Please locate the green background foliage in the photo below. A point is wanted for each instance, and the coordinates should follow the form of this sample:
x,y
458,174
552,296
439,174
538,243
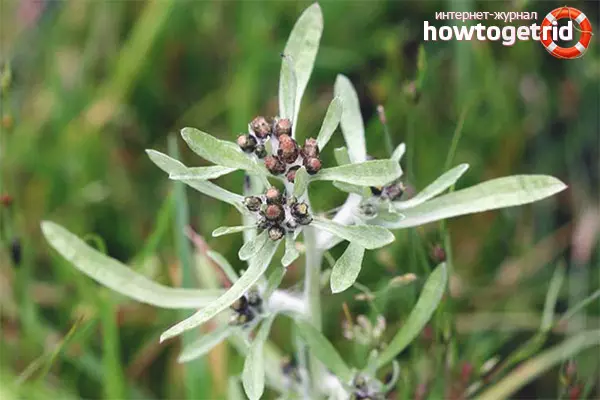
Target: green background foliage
x,y
95,83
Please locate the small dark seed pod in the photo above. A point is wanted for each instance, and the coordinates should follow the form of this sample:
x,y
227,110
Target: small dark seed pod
x,y
376,190
273,196
282,126
276,233
247,143
274,212
274,165
245,317
240,304
260,127
394,191
252,203
313,165
288,149
300,210
310,148
260,151
16,252
291,174
254,298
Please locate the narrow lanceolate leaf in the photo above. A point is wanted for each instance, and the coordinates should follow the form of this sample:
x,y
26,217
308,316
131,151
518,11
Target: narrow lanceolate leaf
x,y
349,188
551,298
496,193
205,343
258,266
234,391
419,316
302,46
253,375
202,173
531,369
442,183
171,166
287,88
368,173
118,277
352,124
274,281
291,253
323,350
341,156
331,122
347,267
217,151
228,230
253,246
398,152
224,265
300,182
368,236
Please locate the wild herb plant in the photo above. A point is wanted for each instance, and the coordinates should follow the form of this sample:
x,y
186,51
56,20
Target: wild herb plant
x,y
275,208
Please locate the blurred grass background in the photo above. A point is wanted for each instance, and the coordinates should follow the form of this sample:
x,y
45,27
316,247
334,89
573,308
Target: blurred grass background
x,y
94,83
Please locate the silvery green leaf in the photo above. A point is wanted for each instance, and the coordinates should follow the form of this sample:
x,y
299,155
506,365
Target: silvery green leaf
x,y
347,267
300,182
217,151
224,265
368,236
253,246
228,230
205,343
302,46
493,194
430,297
323,350
352,124
234,391
349,188
253,375
398,152
274,281
287,88
368,173
172,166
120,278
202,173
257,267
291,253
442,183
341,156
330,122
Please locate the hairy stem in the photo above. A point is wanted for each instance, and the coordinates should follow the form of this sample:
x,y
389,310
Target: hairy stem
x,y
312,296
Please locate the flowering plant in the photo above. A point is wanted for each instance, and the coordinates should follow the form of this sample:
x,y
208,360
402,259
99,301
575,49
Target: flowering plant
x,y
275,207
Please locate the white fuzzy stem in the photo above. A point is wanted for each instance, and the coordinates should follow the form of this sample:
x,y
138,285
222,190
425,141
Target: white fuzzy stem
x,y
282,301
345,216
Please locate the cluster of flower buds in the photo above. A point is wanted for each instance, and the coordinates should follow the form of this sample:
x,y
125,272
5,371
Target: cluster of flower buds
x,y
289,369
278,214
391,192
364,391
289,156
246,308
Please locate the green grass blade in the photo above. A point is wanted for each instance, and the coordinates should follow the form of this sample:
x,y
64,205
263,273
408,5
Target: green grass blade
x,y
551,297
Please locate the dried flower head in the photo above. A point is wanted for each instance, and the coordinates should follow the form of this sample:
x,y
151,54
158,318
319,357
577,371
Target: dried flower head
x,y
283,126
313,165
274,165
247,143
260,127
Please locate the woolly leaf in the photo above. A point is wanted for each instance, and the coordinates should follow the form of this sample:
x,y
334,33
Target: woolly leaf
x,y
347,267
367,236
368,173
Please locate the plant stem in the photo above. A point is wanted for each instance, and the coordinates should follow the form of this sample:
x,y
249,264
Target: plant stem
x,y
312,296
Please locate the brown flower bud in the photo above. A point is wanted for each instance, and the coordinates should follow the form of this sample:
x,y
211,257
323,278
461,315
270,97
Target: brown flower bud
x,y
288,149
276,233
274,165
438,254
282,126
291,174
260,151
310,149
394,191
260,127
273,196
252,203
274,212
301,213
313,165
240,304
247,143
